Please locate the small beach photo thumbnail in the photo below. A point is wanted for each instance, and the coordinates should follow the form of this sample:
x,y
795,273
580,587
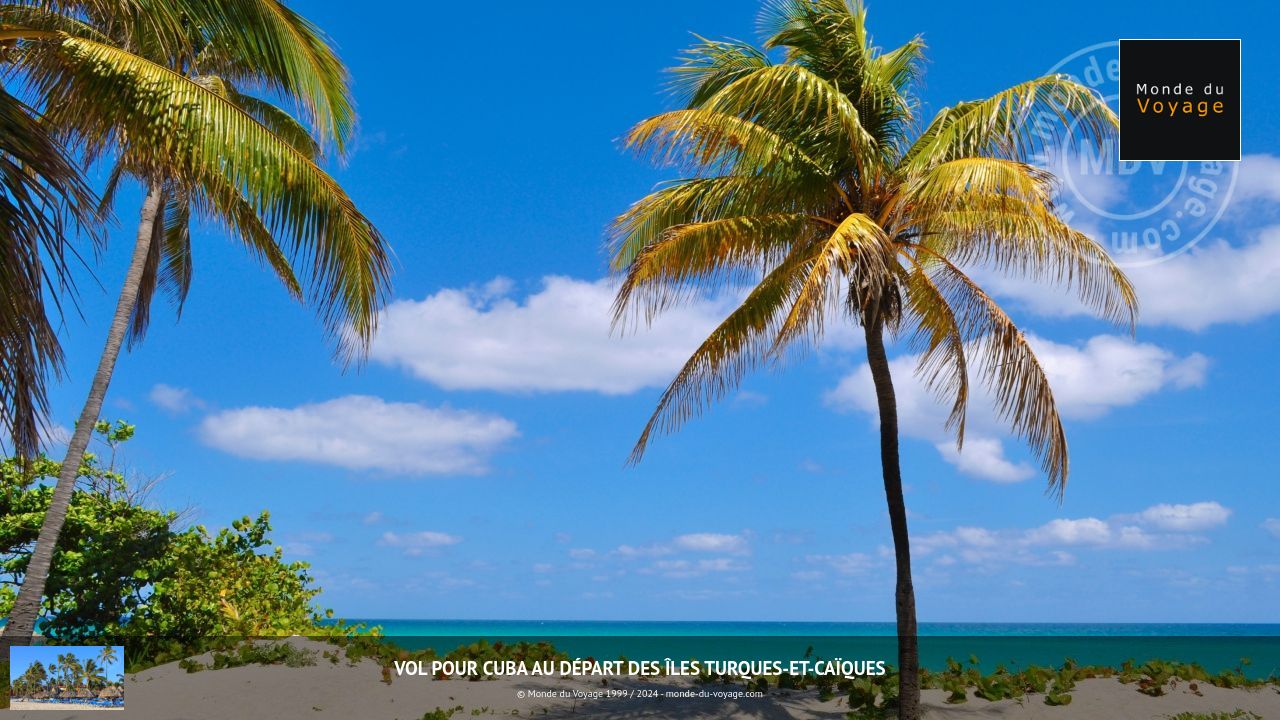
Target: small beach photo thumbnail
x,y
54,677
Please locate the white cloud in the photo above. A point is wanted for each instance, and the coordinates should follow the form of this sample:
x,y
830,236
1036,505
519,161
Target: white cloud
x,y
416,543
1258,179
174,400
712,542
984,457
363,433
1085,531
1159,527
695,568
849,564
1197,516
703,542
372,518
1272,525
556,339
1213,283
1088,380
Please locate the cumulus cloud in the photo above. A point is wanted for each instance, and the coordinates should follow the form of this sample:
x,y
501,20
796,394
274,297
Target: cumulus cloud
x,y
848,564
557,339
363,433
1088,380
703,542
712,542
695,568
1237,282
678,557
1258,179
1193,517
174,400
1272,525
1159,527
417,543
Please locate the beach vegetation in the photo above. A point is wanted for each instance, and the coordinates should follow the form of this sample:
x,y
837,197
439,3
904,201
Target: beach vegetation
x,y
254,653
134,575
810,186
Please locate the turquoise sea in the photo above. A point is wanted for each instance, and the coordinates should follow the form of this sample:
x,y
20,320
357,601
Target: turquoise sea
x,y
1254,648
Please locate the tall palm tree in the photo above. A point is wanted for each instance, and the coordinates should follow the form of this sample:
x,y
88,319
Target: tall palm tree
x,y
107,655
153,86
92,676
811,180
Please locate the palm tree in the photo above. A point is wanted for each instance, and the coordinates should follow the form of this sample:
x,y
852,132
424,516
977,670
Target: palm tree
x,y
34,678
107,655
154,86
92,676
43,190
811,181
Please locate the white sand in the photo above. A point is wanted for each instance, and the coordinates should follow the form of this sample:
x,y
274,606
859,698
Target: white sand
x,y
45,707
328,691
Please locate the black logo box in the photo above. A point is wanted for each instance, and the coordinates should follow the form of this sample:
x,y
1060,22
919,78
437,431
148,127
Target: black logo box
x,y
1169,74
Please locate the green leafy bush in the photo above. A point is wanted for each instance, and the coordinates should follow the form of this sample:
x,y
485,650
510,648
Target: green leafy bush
x,y
127,574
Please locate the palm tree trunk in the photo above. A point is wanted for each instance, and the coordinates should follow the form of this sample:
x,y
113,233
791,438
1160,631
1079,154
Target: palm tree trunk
x,y
904,596
26,606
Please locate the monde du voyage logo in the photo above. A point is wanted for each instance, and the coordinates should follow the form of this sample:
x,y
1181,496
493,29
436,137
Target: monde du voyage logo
x,y
1180,100
1172,179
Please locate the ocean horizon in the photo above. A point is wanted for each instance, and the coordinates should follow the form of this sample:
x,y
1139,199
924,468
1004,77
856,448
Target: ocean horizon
x,y
1251,648
782,628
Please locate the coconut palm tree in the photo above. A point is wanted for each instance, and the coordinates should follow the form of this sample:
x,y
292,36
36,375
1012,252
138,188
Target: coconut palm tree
x,y
107,655
92,676
34,678
811,181
154,86
42,201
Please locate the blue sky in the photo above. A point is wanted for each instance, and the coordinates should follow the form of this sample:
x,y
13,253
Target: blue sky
x,y
475,467
46,655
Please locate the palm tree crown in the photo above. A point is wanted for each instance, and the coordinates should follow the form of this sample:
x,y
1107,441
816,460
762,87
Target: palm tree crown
x,y
810,179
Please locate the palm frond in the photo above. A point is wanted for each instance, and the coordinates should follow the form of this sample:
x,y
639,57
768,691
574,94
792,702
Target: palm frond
x,y
1000,214
1020,123
1009,369
733,349
699,200
263,43
943,366
806,108
171,126
43,201
701,140
857,252
711,65
708,257
284,125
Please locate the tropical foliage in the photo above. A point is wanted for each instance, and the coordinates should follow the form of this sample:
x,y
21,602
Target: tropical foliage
x,y
810,179
129,574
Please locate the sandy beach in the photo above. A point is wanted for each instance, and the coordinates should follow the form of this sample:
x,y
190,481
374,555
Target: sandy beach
x,y
42,707
344,690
